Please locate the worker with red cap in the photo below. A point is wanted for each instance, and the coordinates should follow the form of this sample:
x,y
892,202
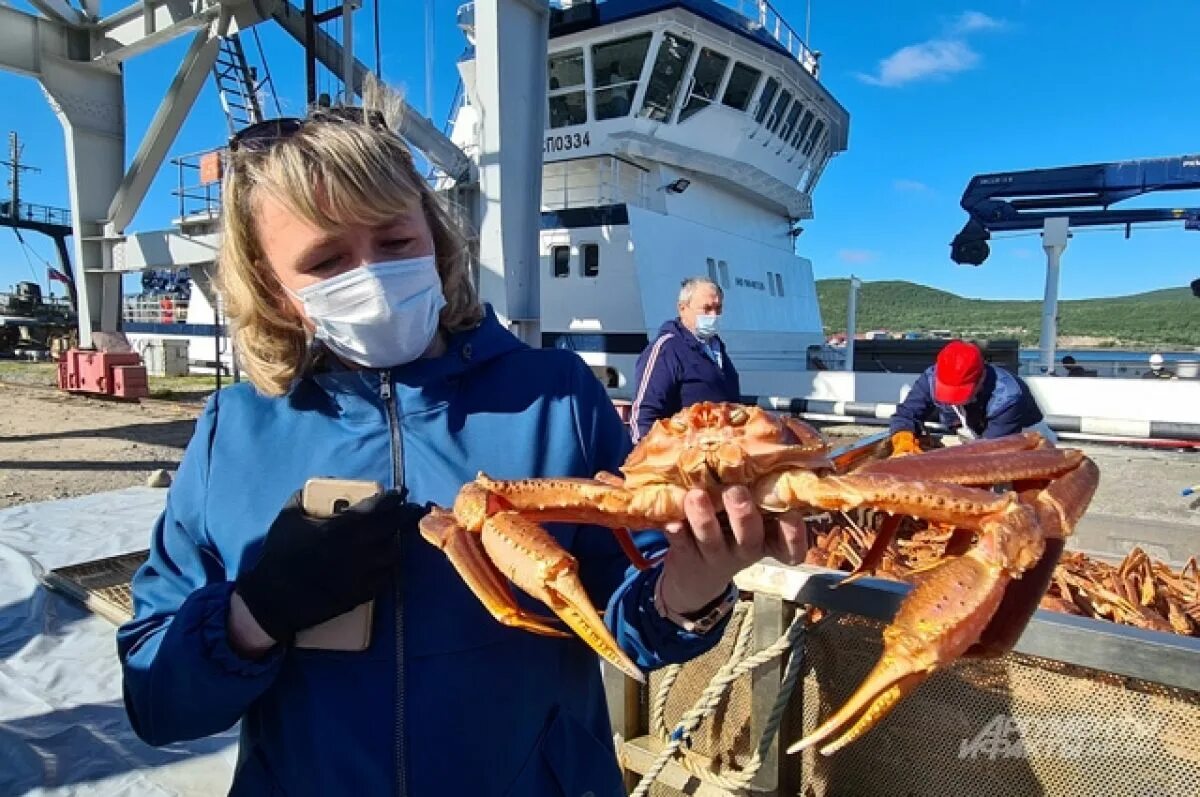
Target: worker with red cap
x,y
967,396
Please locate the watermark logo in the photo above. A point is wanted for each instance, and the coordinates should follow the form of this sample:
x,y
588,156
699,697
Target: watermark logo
x,y
1074,736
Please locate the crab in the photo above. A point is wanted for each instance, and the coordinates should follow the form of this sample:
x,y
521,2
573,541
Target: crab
x,y
975,602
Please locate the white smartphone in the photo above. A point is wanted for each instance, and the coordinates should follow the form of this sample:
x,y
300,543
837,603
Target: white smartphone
x,y
324,498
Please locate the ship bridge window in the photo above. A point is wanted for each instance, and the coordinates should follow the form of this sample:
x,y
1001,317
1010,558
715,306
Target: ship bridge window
x,y
712,271
706,79
616,70
663,86
742,81
780,107
561,257
790,123
591,260
817,130
764,101
778,283
802,129
724,269
568,103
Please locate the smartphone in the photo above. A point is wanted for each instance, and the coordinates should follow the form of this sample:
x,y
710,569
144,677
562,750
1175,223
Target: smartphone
x,y
324,498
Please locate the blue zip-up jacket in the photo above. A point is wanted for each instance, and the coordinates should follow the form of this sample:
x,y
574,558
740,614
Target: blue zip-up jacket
x,y
446,700
1003,406
675,372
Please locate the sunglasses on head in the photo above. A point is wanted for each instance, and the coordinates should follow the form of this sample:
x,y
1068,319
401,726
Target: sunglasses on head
x,y
263,135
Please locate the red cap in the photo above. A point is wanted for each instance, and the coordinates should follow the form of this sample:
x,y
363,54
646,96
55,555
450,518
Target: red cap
x,y
959,368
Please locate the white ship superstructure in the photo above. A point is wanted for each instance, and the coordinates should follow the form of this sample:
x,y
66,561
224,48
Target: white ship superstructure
x,y
683,137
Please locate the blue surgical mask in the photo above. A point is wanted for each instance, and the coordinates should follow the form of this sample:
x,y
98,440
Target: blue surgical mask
x,y
379,315
706,326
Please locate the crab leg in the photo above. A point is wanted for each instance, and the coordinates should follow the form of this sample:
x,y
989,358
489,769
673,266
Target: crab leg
x,y
953,606
968,468
466,553
530,558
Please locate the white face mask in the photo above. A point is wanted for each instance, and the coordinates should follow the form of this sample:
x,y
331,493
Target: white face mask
x,y
706,326
379,315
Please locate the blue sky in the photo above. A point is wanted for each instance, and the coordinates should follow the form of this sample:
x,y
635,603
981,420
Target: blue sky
x,y
937,92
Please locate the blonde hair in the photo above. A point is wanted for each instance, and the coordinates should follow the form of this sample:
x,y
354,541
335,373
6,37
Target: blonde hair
x,y
330,173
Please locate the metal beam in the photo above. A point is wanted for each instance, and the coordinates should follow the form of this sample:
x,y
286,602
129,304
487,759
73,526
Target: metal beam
x,y
142,27
172,112
416,129
26,38
60,11
164,249
510,73
90,104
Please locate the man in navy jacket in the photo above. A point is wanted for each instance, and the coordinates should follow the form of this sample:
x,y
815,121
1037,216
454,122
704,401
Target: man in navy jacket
x,y
968,396
687,363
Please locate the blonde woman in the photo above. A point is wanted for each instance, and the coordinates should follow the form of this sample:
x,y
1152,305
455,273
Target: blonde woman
x,y
371,358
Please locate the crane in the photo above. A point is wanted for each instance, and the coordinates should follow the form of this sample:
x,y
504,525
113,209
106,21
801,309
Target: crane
x,y
1058,199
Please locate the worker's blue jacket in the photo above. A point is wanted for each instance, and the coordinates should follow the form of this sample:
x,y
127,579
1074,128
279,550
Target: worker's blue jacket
x,y
1003,406
446,700
675,371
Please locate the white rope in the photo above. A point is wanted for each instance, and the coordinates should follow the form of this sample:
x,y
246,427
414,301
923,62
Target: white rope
x,y
718,688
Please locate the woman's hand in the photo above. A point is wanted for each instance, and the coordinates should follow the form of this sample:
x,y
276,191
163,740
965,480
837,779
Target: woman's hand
x,y
704,557
313,569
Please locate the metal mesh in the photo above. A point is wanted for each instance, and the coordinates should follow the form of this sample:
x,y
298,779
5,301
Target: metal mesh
x,y
961,732
102,585
981,728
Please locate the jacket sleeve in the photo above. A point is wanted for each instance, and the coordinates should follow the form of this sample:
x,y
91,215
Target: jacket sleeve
x,y
182,680
650,640
657,393
915,409
1008,420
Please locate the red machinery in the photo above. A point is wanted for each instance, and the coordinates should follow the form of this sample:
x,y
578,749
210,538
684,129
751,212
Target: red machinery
x,y
108,373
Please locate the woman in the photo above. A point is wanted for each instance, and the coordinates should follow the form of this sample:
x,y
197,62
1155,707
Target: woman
x,y
371,358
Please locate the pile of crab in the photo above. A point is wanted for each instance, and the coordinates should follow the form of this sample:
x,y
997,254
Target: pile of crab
x,y
1138,591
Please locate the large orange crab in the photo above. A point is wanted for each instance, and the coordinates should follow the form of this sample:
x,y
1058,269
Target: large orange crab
x,y
975,602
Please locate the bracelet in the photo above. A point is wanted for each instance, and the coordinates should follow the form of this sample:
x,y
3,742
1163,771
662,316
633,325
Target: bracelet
x,y
709,620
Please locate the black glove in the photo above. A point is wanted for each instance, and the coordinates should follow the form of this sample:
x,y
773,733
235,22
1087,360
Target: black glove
x,y
314,569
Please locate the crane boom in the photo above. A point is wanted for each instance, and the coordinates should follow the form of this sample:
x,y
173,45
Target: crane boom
x,y
1024,200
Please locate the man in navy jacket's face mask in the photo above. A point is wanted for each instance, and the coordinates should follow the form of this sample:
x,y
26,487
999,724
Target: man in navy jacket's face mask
x,y
687,362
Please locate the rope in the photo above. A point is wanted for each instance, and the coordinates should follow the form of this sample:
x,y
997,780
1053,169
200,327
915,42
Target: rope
x,y
737,665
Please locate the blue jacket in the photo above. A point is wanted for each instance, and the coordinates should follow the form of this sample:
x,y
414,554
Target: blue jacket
x,y
446,700
675,372
1003,406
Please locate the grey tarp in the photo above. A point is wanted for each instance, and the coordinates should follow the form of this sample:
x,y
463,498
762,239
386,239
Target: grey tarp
x,y
63,728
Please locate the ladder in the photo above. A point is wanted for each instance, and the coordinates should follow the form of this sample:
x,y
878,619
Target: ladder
x,y
241,89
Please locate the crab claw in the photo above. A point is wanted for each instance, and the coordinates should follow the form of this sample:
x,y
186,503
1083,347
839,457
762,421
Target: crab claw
x,y
943,616
528,556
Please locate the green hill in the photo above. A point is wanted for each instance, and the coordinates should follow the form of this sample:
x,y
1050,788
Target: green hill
x,y
1168,317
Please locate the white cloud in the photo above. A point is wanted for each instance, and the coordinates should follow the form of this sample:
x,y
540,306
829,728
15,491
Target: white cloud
x,y
856,256
910,186
932,59
935,58
972,21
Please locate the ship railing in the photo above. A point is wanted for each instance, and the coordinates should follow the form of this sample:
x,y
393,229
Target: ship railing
x,y
198,184
154,310
593,182
763,16
35,214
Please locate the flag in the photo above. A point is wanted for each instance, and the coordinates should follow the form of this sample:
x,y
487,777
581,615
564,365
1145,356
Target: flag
x,y
55,274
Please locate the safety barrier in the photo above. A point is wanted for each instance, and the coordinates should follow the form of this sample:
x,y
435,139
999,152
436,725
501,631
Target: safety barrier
x,y
1102,427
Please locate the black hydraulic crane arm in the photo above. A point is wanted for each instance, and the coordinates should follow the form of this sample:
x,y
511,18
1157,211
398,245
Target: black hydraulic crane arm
x,y
1084,194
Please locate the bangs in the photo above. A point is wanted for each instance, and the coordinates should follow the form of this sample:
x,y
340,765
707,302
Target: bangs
x,y
337,174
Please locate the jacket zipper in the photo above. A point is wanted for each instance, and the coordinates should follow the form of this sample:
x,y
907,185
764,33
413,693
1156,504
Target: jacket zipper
x,y
397,446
